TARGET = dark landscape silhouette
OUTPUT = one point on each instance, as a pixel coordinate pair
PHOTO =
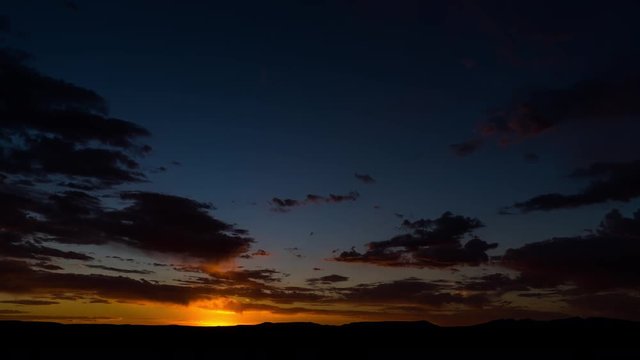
(521, 339)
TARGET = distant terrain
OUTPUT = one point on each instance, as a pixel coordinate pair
(518, 339)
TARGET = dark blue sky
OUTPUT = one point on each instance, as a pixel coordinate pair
(258, 100)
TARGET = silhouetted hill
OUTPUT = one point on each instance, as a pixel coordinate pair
(518, 339)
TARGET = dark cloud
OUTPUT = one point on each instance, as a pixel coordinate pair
(46, 266)
(10, 312)
(259, 252)
(466, 148)
(29, 250)
(352, 196)
(596, 100)
(17, 277)
(244, 276)
(606, 259)
(175, 225)
(610, 181)
(409, 291)
(71, 5)
(119, 270)
(612, 305)
(530, 158)
(152, 222)
(119, 258)
(327, 280)
(497, 282)
(99, 301)
(427, 243)
(284, 205)
(365, 178)
(53, 128)
(29, 302)
(295, 252)
(61, 156)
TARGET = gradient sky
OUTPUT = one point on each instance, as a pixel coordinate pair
(452, 161)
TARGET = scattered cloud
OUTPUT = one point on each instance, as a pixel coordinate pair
(610, 181)
(467, 147)
(259, 252)
(365, 178)
(594, 102)
(530, 158)
(285, 205)
(29, 302)
(327, 280)
(119, 270)
(427, 243)
(409, 291)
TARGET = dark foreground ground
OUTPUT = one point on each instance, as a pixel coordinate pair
(503, 339)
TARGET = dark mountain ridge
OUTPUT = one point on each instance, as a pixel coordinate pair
(589, 338)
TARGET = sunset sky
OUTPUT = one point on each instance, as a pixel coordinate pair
(236, 162)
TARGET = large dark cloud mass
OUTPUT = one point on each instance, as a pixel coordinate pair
(18, 278)
(428, 243)
(610, 181)
(175, 225)
(152, 222)
(60, 153)
(50, 128)
(607, 259)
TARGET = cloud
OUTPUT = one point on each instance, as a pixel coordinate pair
(427, 243)
(327, 280)
(71, 5)
(53, 128)
(610, 181)
(119, 270)
(409, 291)
(259, 252)
(466, 148)
(597, 101)
(615, 305)
(153, 222)
(496, 282)
(365, 178)
(530, 158)
(46, 266)
(47, 156)
(607, 259)
(10, 312)
(16, 277)
(249, 276)
(29, 302)
(285, 205)
(175, 225)
(29, 250)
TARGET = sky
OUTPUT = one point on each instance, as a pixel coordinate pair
(222, 163)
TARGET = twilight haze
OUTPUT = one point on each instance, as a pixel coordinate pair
(220, 163)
